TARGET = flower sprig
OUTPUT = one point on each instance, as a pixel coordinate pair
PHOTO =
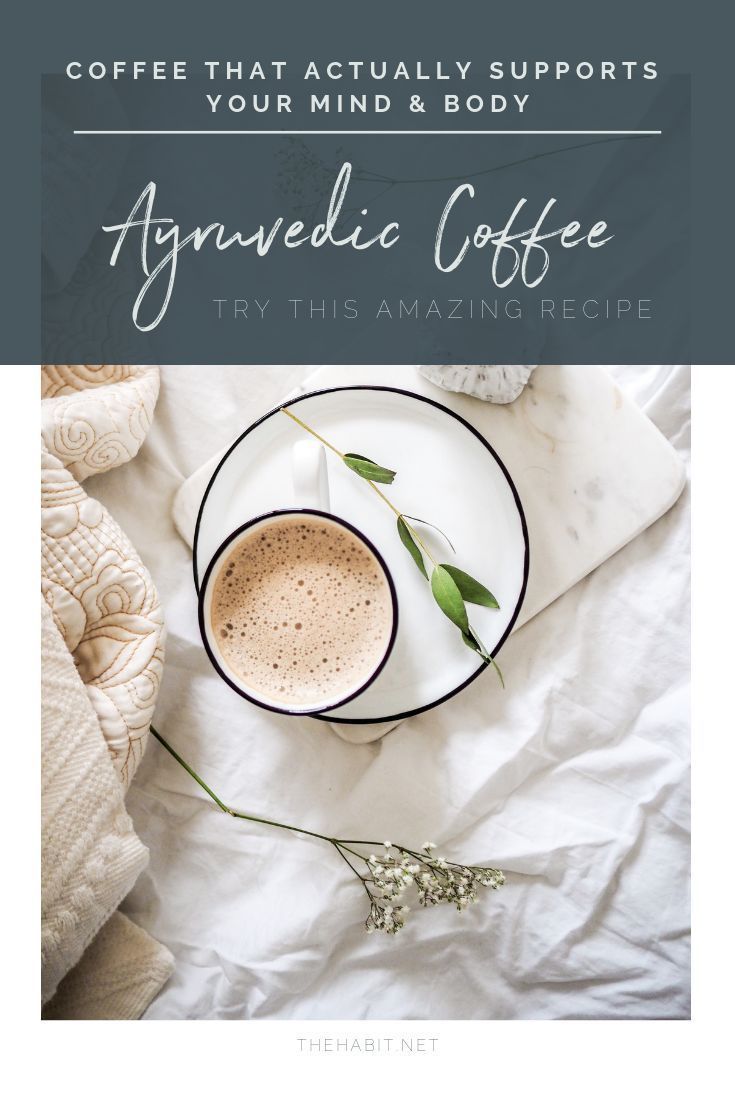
(436, 881)
(385, 877)
(453, 589)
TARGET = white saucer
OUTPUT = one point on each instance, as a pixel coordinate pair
(447, 474)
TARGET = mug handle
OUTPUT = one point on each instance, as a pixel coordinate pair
(309, 476)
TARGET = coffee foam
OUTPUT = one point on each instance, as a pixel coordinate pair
(301, 611)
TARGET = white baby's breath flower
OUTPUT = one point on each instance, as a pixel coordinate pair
(436, 881)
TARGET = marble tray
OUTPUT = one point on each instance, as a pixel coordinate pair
(591, 470)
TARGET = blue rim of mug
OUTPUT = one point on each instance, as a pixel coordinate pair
(215, 560)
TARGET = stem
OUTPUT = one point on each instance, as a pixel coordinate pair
(363, 879)
(414, 534)
(372, 485)
(230, 811)
(189, 770)
(412, 530)
(487, 658)
(340, 844)
(363, 842)
(281, 826)
(313, 433)
(348, 862)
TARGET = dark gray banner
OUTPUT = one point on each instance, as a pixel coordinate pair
(452, 185)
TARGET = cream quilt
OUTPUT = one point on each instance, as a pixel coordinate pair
(102, 654)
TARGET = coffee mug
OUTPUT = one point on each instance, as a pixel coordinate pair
(297, 608)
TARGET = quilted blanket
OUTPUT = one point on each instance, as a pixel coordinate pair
(102, 655)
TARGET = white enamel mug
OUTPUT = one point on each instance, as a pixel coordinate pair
(311, 491)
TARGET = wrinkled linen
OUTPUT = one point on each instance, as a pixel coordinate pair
(574, 781)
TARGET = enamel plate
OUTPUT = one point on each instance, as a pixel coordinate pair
(447, 474)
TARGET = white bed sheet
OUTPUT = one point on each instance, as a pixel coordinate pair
(575, 781)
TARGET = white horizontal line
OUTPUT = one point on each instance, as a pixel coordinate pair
(340, 133)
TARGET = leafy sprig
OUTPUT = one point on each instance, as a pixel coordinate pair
(452, 589)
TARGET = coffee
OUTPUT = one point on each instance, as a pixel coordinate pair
(301, 611)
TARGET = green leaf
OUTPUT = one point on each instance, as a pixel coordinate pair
(430, 525)
(475, 644)
(448, 597)
(471, 643)
(366, 468)
(410, 544)
(471, 590)
(473, 640)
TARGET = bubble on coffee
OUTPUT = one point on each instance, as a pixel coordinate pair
(301, 612)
